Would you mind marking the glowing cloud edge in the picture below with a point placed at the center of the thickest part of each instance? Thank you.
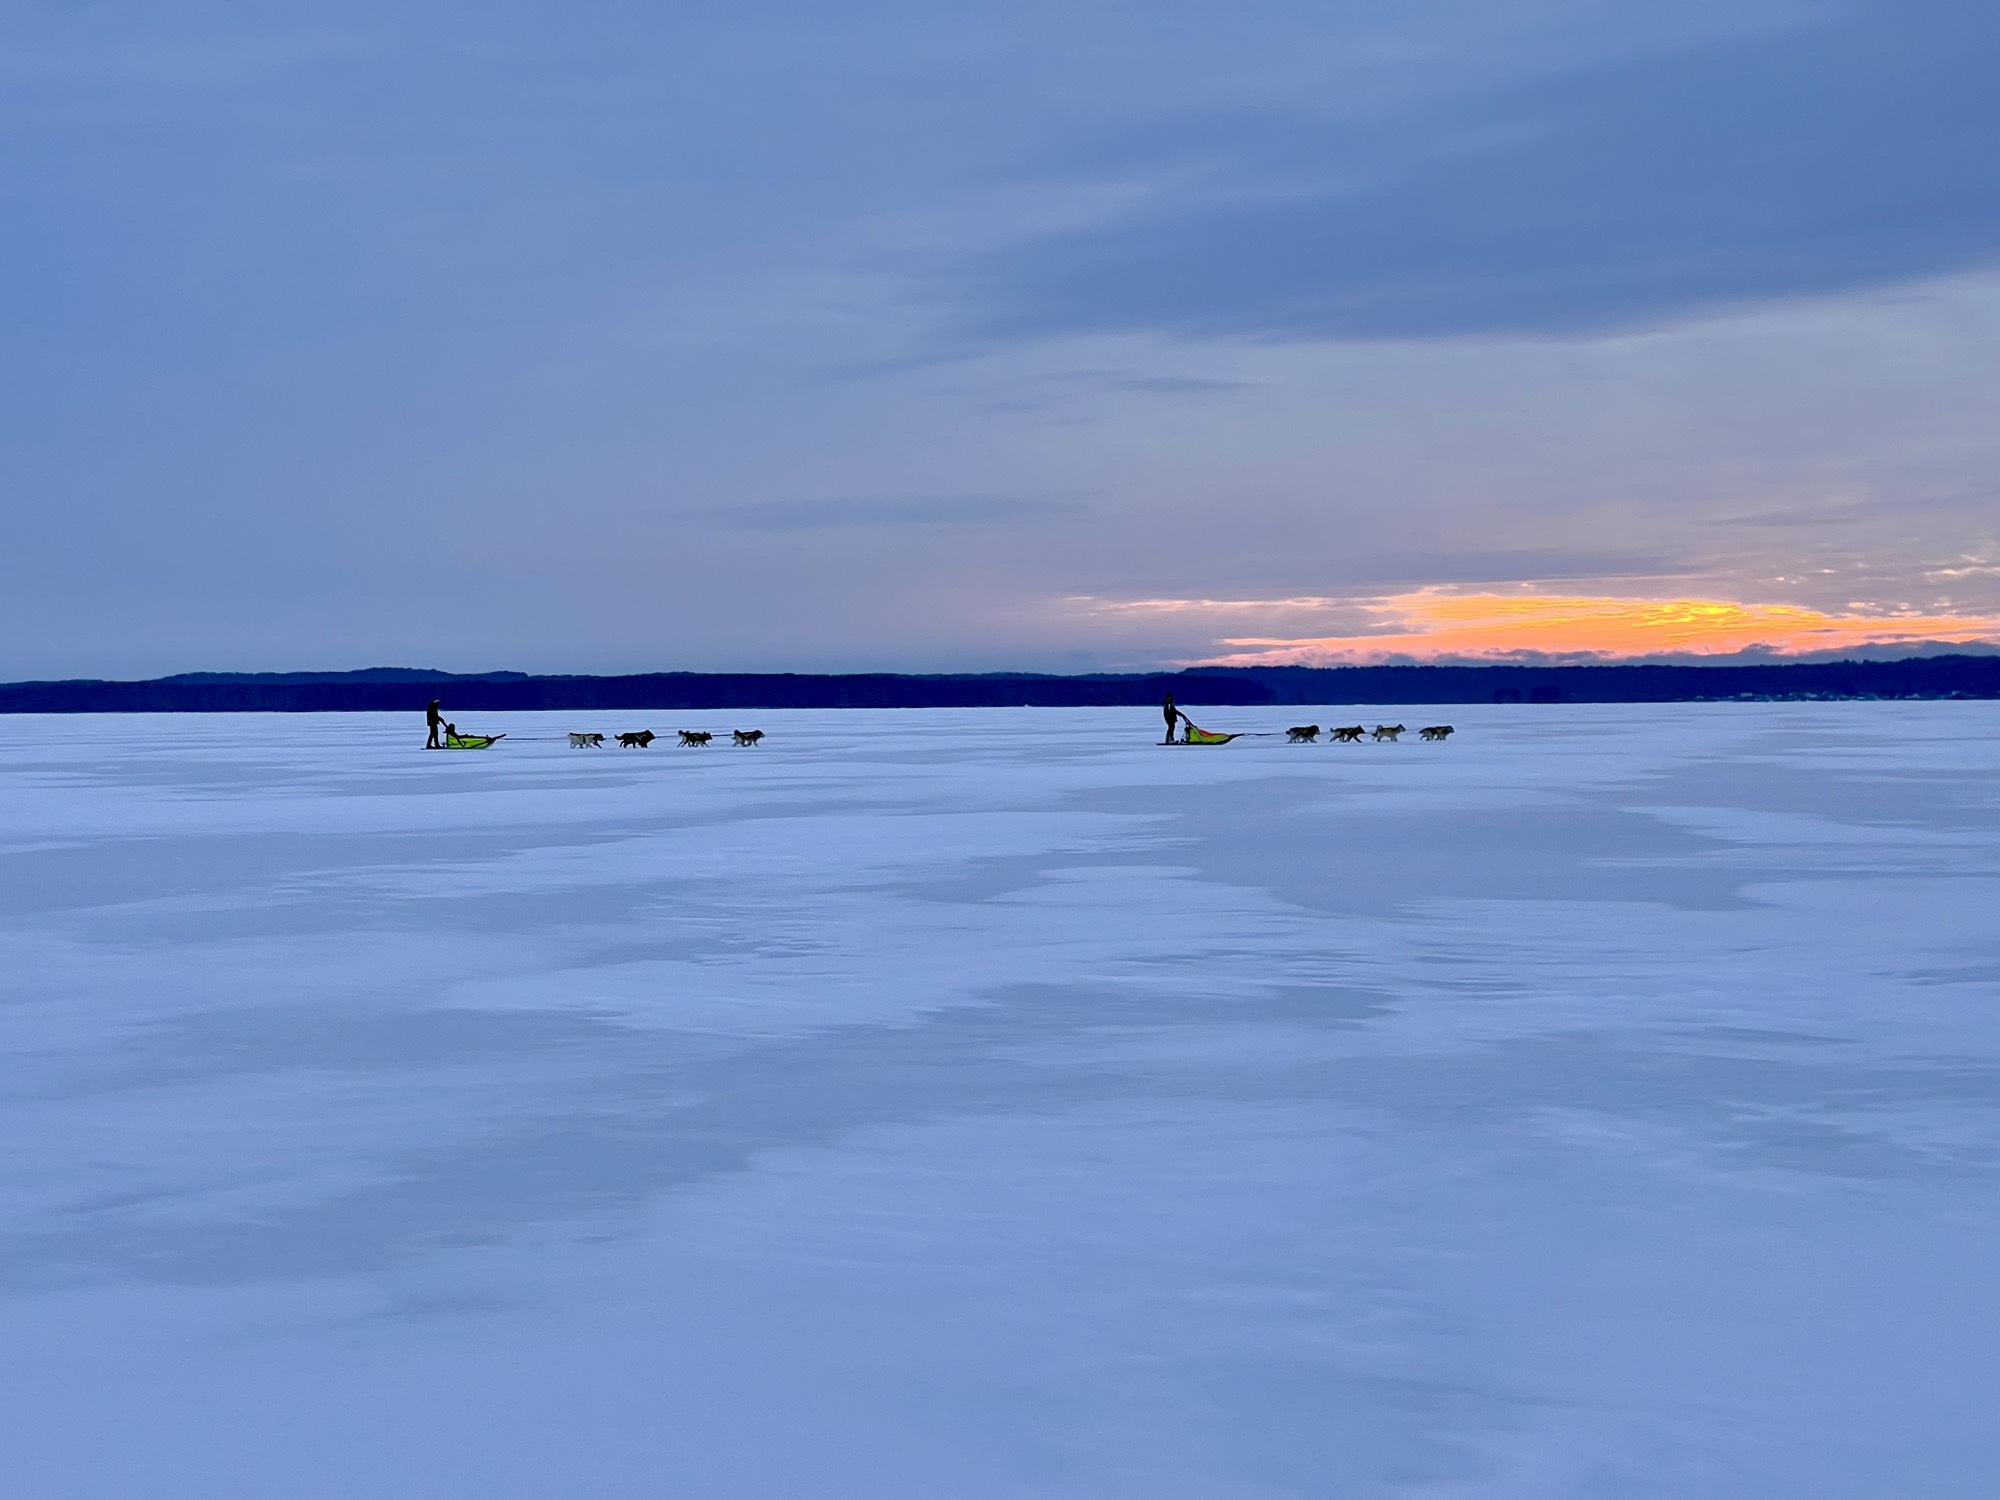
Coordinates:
(1436, 624)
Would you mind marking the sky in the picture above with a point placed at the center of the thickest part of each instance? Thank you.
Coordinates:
(965, 337)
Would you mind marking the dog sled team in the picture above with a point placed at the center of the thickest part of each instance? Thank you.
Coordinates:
(1298, 734)
(640, 739)
(1353, 734)
(445, 736)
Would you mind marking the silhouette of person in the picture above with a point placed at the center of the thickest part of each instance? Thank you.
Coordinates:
(433, 719)
(1172, 714)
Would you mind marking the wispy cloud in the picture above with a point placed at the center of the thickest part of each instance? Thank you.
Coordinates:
(1210, 607)
(1441, 625)
(914, 510)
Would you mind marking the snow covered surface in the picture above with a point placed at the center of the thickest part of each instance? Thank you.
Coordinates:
(995, 1104)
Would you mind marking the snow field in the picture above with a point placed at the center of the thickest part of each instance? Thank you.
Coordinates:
(992, 1103)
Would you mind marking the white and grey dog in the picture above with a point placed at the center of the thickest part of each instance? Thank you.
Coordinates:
(1436, 732)
(1388, 731)
(585, 741)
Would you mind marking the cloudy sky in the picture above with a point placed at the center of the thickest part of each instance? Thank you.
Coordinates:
(1062, 336)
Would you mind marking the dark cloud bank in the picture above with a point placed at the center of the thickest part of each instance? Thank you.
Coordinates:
(1860, 152)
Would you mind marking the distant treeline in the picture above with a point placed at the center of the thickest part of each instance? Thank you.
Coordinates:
(398, 689)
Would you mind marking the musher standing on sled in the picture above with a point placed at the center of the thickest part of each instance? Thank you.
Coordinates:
(434, 719)
(1172, 714)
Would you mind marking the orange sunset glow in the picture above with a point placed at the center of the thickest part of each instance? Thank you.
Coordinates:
(1436, 624)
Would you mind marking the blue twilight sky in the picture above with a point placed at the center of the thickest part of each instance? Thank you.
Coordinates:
(627, 336)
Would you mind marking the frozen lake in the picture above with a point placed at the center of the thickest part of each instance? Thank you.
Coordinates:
(952, 1105)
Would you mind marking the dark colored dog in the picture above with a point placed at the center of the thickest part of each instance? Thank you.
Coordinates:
(696, 736)
(637, 741)
(1436, 732)
(1388, 732)
(1348, 734)
(1302, 734)
(746, 736)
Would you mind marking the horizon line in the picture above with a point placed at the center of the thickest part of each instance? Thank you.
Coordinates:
(1689, 662)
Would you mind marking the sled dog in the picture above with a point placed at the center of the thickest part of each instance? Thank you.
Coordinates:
(585, 741)
(1388, 732)
(1436, 732)
(746, 736)
(1302, 734)
(637, 741)
(696, 736)
(1348, 734)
